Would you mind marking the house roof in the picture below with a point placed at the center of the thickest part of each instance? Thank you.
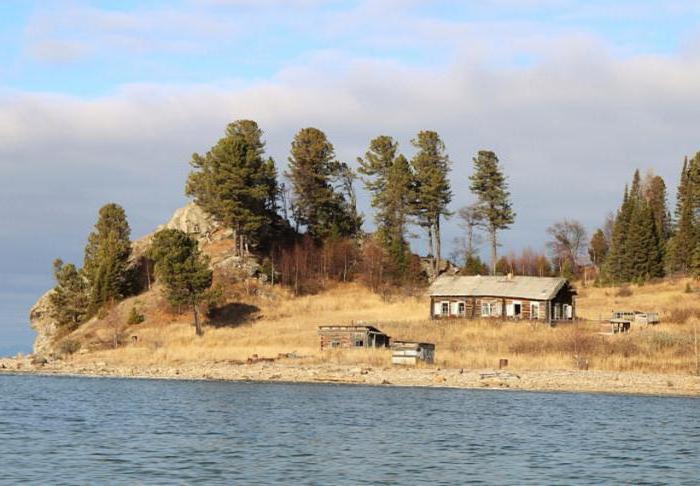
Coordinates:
(533, 288)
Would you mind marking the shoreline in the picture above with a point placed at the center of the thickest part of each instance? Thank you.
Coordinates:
(568, 381)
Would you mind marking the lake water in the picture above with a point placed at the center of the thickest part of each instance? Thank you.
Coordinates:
(67, 430)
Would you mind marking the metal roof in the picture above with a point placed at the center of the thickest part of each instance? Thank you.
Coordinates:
(533, 288)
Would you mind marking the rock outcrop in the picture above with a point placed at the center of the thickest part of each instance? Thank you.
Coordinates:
(214, 239)
(44, 325)
(194, 220)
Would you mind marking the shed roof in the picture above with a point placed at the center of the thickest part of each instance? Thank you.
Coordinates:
(341, 328)
(533, 288)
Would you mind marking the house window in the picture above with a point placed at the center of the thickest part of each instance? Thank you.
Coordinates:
(335, 344)
(359, 343)
(461, 309)
(485, 309)
(534, 310)
(445, 309)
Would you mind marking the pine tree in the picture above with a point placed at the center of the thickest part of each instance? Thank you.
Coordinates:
(489, 185)
(235, 183)
(686, 237)
(182, 268)
(389, 179)
(655, 194)
(70, 298)
(617, 265)
(431, 166)
(321, 187)
(106, 257)
(643, 249)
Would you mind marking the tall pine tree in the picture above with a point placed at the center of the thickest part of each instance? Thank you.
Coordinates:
(236, 184)
(388, 177)
(686, 235)
(321, 187)
(106, 257)
(489, 185)
(431, 166)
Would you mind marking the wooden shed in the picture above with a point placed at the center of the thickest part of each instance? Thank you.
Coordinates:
(411, 353)
(360, 336)
(549, 299)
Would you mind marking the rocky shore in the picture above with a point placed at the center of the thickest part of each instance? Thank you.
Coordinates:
(289, 371)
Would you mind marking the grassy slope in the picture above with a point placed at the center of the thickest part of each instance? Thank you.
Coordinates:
(273, 322)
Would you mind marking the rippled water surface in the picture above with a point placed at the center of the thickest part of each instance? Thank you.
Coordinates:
(116, 431)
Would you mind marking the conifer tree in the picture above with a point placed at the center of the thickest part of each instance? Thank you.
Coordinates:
(686, 237)
(106, 257)
(655, 194)
(182, 268)
(489, 185)
(70, 298)
(643, 250)
(617, 266)
(321, 187)
(235, 183)
(431, 166)
(388, 177)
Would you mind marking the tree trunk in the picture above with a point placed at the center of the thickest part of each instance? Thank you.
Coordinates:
(438, 248)
(494, 250)
(197, 323)
(431, 246)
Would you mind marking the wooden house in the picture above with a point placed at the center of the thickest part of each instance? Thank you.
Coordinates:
(360, 336)
(547, 299)
(411, 353)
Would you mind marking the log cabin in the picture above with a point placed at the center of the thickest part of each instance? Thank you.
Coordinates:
(548, 299)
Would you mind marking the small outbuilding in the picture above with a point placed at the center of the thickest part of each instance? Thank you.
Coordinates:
(547, 299)
(411, 353)
(360, 336)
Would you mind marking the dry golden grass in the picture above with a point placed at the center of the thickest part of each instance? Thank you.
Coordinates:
(274, 322)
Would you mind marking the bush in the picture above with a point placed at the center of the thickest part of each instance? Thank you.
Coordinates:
(624, 291)
(135, 317)
(680, 315)
(69, 346)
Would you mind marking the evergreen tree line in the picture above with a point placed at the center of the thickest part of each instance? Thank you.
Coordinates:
(643, 240)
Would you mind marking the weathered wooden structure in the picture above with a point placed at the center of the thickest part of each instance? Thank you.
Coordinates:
(548, 299)
(359, 336)
(411, 353)
(622, 321)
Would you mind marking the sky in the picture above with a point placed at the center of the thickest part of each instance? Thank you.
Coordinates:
(106, 101)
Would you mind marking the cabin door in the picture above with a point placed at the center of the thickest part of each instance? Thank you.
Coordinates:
(517, 309)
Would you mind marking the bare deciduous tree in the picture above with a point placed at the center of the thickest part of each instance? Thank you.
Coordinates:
(471, 218)
(568, 244)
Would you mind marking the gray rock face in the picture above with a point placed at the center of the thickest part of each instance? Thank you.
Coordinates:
(194, 220)
(41, 321)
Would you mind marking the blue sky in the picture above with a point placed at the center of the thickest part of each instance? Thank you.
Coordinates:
(106, 101)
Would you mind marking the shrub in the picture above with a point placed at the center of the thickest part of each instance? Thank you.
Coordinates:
(680, 315)
(69, 346)
(624, 291)
(135, 317)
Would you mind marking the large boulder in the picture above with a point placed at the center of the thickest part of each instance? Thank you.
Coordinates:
(45, 326)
